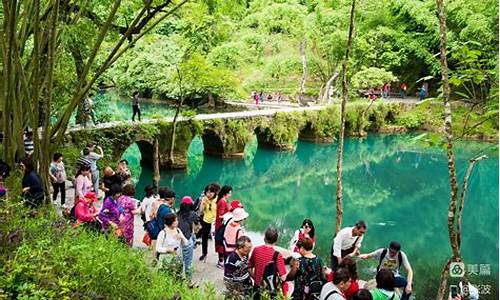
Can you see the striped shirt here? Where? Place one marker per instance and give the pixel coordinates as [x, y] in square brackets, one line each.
[29, 147]
[261, 256]
[83, 161]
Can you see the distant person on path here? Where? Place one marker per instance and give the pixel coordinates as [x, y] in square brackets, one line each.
[347, 242]
[309, 278]
[335, 290]
[261, 96]
[110, 178]
[110, 210]
[402, 89]
[124, 172]
[57, 175]
[187, 219]
[279, 97]
[385, 286]
[386, 89]
[29, 146]
[236, 275]
[307, 230]
[269, 97]
[88, 110]
[391, 259]
[261, 256]
[93, 157]
[168, 247]
[422, 93]
[222, 209]
[128, 208]
[32, 187]
[208, 208]
[147, 202]
[234, 229]
[83, 185]
[136, 108]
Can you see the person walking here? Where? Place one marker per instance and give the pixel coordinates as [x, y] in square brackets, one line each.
[187, 219]
[136, 108]
[237, 277]
[168, 247]
[160, 209]
[222, 209]
[392, 258]
[347, 242]
[208, 207]
[422, 93]
[402, 89]
[57, 175]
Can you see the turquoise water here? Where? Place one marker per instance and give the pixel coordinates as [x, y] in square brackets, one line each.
[400, 188]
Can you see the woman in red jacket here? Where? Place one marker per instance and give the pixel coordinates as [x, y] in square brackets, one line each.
[86, 213]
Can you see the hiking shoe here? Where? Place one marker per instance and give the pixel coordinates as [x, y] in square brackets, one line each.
[203, 257]
[220, 265]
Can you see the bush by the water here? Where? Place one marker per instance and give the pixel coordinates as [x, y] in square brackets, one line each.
[43, 257]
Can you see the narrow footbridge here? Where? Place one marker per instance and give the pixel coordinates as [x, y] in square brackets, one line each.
[226, 134]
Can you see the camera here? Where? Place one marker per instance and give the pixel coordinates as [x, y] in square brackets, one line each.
[455, 291]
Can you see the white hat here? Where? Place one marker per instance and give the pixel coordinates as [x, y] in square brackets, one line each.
[239, 214]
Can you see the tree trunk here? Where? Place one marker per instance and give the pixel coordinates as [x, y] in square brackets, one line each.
[211, 100]
[304, 73]
[345, 99]
[449, 140]
[156, 164]
[174, 122]
[329, 83]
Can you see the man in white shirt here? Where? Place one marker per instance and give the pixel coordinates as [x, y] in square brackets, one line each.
[335, 289]
[347, 242]
[391, 259]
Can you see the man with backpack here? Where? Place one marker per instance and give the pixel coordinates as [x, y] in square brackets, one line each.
[236, 276]
[267, 266]
[391, 259]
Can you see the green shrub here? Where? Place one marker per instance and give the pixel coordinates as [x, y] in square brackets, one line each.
[43, 257]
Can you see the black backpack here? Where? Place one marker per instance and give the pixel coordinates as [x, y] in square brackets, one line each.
[312, 278]
[382, 255]
[219, 234]
[271, 282]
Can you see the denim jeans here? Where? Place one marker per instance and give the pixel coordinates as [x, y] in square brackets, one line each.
[187, 256]
[400, 282]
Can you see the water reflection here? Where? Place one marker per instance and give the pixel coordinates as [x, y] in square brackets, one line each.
[399, 188]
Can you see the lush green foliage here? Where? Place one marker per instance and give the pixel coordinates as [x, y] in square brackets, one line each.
[372, 77]
[43, 257]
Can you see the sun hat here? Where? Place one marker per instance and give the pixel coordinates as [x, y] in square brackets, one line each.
[239, 214]
[187, 200]
[235, 204]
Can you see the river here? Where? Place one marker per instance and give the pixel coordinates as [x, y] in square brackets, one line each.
[399, 186]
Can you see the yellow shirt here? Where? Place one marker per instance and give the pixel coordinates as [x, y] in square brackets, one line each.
[209, 210]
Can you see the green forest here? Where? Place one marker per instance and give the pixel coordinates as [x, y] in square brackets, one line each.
[54, 53]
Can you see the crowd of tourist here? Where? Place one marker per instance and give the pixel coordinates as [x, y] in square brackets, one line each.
[249, 270]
